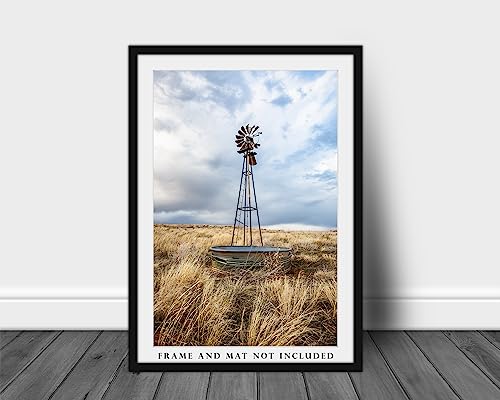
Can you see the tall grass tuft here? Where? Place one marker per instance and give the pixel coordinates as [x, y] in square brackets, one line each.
[198, 303]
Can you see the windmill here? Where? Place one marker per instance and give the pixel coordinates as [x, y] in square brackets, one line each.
[243, 251]
[246, 142]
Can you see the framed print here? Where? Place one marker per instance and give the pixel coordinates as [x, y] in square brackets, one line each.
[245, 208]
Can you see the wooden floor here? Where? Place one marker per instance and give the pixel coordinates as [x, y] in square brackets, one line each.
[397, 365]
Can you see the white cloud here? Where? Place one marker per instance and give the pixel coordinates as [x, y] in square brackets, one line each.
[197, 169]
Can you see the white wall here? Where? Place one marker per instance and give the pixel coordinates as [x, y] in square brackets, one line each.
[432, 138]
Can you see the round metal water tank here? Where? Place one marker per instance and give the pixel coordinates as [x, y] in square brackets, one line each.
[248, 256]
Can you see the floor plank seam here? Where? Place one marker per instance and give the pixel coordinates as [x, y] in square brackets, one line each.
[74, 366]
[473, 362]
[433, 366]
[158, 386]
[257, 374]
[358, 395]
[11, 340]
[488, 339]
[208, 386]
[389, 367]
[29, 363]
[114, 376]
[308, 394]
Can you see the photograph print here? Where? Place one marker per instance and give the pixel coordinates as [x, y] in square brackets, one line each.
[240, 262]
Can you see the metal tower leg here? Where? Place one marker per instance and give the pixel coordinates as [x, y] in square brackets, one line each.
[256, 206]
[249, 176]
[245, 202]
[238, 202]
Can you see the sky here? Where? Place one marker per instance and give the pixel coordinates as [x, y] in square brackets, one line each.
[197, 168]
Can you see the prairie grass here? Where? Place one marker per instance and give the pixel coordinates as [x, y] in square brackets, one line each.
[198, 303]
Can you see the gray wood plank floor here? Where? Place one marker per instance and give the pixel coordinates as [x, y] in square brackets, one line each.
[397, 365]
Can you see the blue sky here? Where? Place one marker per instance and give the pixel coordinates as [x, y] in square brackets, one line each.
[196, 166]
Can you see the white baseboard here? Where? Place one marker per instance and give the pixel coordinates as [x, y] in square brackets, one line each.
[437, 314]
[58, 314]
[378, 314]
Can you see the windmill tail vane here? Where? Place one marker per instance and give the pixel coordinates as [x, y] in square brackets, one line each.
[246, 206]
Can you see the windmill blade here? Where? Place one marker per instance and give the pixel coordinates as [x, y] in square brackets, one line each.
[246, 142]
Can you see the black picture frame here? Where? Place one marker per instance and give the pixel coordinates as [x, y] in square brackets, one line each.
[134, 51]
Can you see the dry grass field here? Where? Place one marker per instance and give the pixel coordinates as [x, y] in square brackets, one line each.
[197, 303]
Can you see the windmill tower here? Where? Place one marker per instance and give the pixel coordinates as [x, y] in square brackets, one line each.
[246, 206]
[247, 248]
